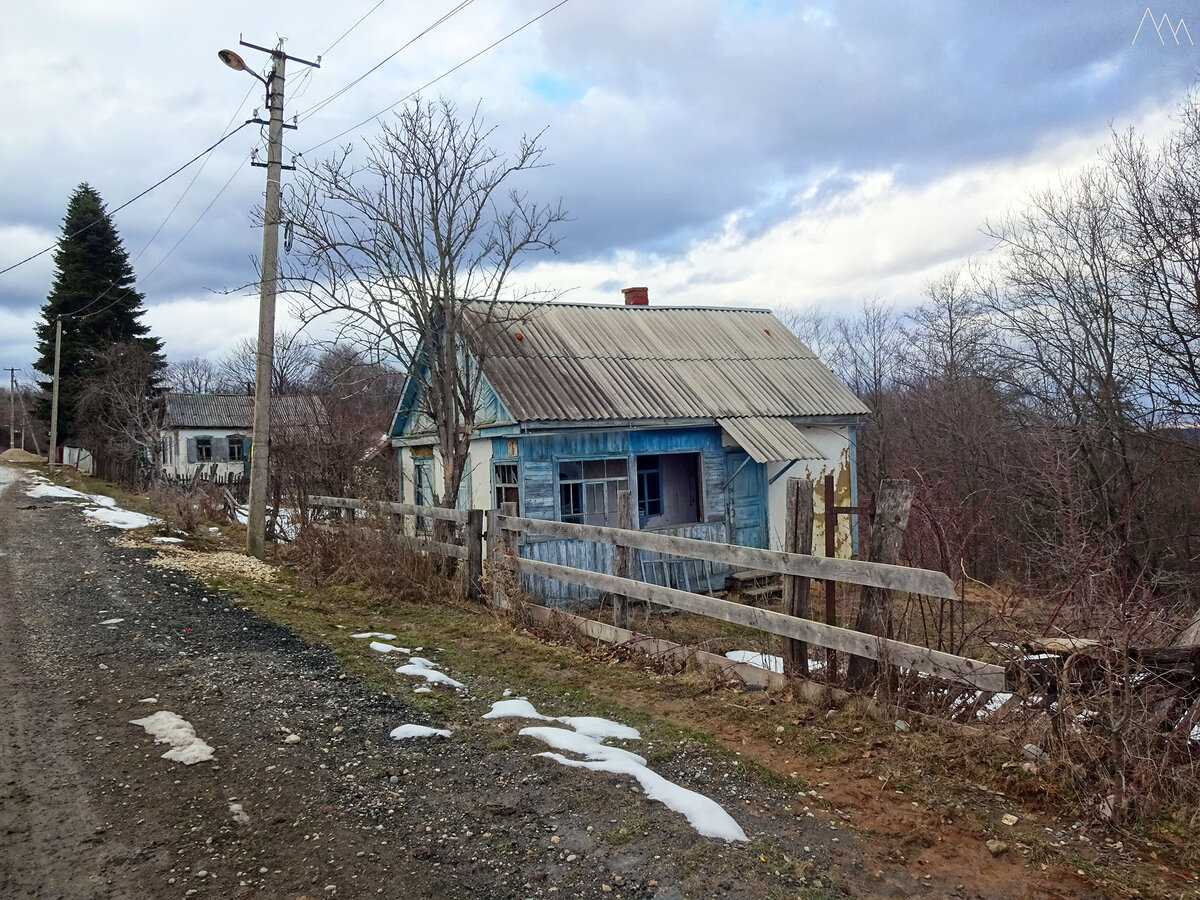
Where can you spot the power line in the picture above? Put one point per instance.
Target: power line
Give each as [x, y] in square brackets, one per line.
[152, 187]
[352, 27]
[317, 107]
[77, 314]
[434, 81]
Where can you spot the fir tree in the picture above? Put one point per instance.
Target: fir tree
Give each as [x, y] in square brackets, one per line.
[94, 292]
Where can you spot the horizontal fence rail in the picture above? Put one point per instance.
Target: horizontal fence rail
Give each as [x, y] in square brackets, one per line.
[850, 571]
[984, 676]
[460, 516]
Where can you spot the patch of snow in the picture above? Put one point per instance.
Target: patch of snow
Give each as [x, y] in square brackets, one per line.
[168, 728]
[239, 814]
[112, 621]
[422, 662]
[595, 727]
[759, 660]
[704, 814]
[167, 540]
[101, 500]
[1195, 735]
[383, 636]
[120, 518]
[431, 675]
[507, 693]
[520, 708]
[591, 726]
[423, 689]
[46, 489]
[387, 648]
[417, 731]
[997, 701]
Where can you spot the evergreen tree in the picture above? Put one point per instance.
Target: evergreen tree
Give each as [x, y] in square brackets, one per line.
[94, 293]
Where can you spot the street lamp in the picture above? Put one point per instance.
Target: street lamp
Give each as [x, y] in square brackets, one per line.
[256, 518]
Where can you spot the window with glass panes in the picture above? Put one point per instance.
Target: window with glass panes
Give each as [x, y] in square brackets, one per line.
[587, 489]
[506, 483]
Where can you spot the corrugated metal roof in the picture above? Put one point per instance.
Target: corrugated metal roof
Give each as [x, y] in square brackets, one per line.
[578, 362]
[770, 440]
[237, 410]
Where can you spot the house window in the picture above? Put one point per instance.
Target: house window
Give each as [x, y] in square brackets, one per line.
[423, 489]
[587, 490]
[237, 451]
[166, 450]
[204, 449]
[505, 479]
[669, 489]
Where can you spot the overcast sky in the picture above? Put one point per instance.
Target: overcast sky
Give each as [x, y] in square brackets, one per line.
[747, 152]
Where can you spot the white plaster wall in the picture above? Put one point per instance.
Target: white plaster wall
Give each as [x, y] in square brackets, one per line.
[180, 466]
[833, 441]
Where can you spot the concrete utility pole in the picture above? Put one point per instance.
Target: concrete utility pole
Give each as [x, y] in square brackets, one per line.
[53, 449]
[12, 408]
[260, 448]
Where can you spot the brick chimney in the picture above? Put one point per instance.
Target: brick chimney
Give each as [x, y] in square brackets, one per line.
[636, 296]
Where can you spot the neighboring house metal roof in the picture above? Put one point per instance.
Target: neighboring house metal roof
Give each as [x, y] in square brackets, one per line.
[237, 410]
[770, 440]
[579, 362]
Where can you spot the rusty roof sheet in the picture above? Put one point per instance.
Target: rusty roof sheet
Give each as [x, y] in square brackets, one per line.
[578, 362]
[237, 410]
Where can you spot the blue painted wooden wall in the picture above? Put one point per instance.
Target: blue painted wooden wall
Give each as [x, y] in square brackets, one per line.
[538, 459]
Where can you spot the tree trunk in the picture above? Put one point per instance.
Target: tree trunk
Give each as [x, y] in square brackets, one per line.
[892, 504]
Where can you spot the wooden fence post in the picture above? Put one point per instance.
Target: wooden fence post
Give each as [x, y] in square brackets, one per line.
[623, 558]
[831, 662]
[799, 537]
[473, 541]
[892, 504]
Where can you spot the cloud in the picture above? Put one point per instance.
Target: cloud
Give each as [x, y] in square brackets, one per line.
[707, 143]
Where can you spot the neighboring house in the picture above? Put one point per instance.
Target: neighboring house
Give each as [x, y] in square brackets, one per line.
[209, 436]
[701, 413]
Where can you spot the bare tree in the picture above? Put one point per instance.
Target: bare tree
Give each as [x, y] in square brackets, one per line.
[395, 245]
[193, 376]
[291, 368]
[120, 404]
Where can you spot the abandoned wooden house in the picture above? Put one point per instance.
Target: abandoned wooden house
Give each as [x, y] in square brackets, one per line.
[209, 436]
[700, 413]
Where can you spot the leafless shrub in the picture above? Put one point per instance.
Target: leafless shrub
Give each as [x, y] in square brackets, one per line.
[186, 506]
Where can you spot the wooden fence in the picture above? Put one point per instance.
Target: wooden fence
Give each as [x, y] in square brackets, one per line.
[503, 528]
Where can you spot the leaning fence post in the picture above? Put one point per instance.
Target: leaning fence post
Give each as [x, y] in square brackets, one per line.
[892, 504]
[623, 558]
[799, 539]
[473, 541]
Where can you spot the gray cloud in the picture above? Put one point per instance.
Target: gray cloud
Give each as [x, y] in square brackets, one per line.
[662, 119]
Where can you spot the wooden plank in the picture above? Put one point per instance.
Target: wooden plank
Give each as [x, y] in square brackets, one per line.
[798, 539]
[623, 559]
[852, 571]
[414, 543]
[892, 504]
[933, 662]
[473, 543]
[400, 509]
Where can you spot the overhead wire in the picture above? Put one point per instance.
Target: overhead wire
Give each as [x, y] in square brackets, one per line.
[128, 202]
[174, 247]
[434, 81]
[168, 216]
[445, 17]
[352, 27]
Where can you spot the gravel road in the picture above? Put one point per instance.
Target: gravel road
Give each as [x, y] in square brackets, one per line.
[306, 795]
